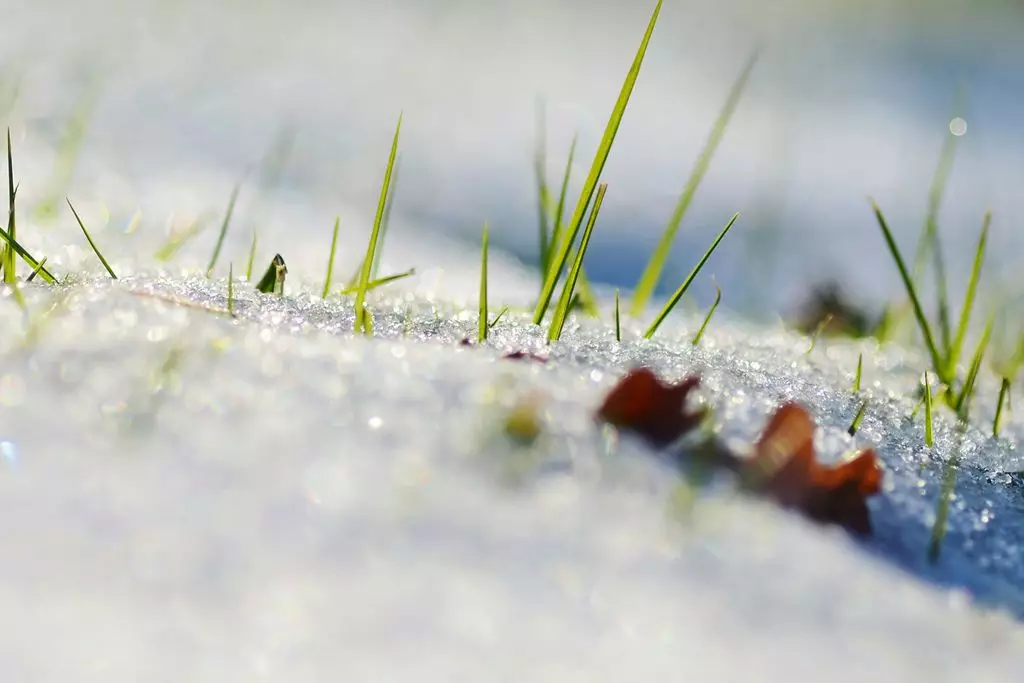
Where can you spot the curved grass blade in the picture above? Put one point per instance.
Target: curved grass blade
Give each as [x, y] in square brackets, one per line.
[223, 230]
[363, 323]
[908, 282]
[92, 244]
[330, 259]
[707, 318]
[652, 272]
[674, 299]
[565, 300]
[557, 264]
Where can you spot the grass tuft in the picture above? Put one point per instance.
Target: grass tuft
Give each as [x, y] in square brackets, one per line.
[652, 272]
[565, 300]
[711, 311]
[482, 325]
[272, 281]
[92, 244]
[330, 259]
[223, 230]
[674, 299]
[557, 264]
[363, 322]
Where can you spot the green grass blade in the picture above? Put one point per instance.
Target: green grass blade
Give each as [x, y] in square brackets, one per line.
[386, 219]
[818, 331]
[618, 324]
[652, 272]
[330, 259]
[27, 257]
[379, 282]
[35, 271]
[922, 321]
[272, 281]
[590, 185]
[858, 418]
[963, 399]
[544, 234]
[674, 299]
[174, 243]
[497, 318]
[565, 300]
[929, 424]
[482, 322]
[252, 257]
[92, 244]
[860, 369]
[942, 509]
[953, 358]
[10, 272]
[223, 230]
[1004, 391]
[556, 230]
[711, 311]
[363, 323]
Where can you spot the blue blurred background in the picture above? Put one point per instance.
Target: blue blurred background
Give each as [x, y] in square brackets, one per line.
[849, 100]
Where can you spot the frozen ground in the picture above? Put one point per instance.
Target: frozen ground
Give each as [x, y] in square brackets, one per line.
[190, 497]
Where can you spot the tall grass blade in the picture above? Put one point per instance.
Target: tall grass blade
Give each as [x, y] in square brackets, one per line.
[231, 289]
[482, 327]
[711, 311]
[223, 230]
[922, 321]
[674, 299]
[1004, 392]
[252, 256]
[652, 272]
[963, 400]
[386, 219]
[92, 244]
[953, 357]
[10, 273]
[363, 323]
[565, 300]
[618, 324]
[942, 508]
[330, 259]
[544, 234]
[556, 230]
[558, 262]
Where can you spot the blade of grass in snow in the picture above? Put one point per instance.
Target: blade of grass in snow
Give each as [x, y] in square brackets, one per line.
[363, 323]
[707, 318]
[386, 220]
[379, 282]
[10, 272]
[92, 244]
[942, 508]
[565, 300]
[176, 241]
[963, 400]
[35, 271]
[223, 230]
[27, 257]
[556, 231]
[497, 318]
[618, 323]
[1004, 390]
[481, 336]
[652, 272]
[858, 418]
[330, 259]
[953, 357]
[544, 233]
[252, 257]
[922, 321]
[272, 281]
[929, 424]
[559, 259]
[817, 332]
[674, 299]
[860, 369]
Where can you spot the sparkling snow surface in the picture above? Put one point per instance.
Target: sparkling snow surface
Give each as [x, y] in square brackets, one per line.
[190, 497]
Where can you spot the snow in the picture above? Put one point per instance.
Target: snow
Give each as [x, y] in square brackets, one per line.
[190, 496]
[289, 502]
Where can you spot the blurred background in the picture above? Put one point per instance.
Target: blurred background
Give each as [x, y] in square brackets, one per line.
[148, 113]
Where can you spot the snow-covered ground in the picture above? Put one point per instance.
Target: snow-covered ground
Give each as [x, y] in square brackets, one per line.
[188, 496]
